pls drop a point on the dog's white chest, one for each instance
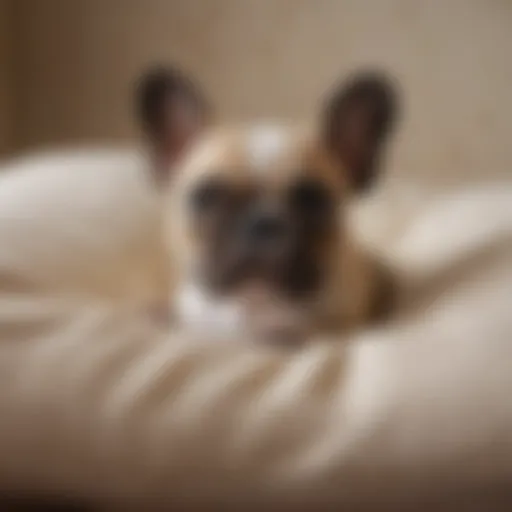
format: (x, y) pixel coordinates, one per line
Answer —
(198, 311)
(254, 313)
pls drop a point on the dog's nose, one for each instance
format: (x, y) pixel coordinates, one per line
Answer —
(265, 228)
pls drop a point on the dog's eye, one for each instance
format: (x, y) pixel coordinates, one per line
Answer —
(208, 196)
(310, 197)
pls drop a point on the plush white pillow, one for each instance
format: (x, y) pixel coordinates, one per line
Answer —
(98, 401)
(85, 220)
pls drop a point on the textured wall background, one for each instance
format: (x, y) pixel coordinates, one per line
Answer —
(261, 58)
(6, 76)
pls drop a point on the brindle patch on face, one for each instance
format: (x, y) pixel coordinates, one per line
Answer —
(261, 205)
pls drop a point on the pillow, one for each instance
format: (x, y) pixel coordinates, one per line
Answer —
(99, 402)
(84, 221)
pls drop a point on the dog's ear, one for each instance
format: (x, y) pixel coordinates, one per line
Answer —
(357, 120)
(171, 111)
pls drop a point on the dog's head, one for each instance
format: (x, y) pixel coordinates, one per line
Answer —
(261, 207)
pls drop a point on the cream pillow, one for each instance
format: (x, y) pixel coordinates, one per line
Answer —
(97, 401)
(85, 220)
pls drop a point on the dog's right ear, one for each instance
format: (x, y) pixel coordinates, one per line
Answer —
(171, 111)
(357, 120)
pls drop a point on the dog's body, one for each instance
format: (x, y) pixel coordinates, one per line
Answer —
(258, 216)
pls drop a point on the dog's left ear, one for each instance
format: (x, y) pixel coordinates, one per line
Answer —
(357, 120)
(171, 111)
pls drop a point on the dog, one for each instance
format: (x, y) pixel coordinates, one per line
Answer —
(257, 217)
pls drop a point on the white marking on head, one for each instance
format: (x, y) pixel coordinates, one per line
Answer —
(264, 144)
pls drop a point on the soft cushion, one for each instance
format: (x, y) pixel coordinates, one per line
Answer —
(83, 220)
(99, 401)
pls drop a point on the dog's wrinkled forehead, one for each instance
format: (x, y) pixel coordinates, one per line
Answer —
(262, 153)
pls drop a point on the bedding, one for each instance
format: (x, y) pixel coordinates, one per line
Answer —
(100, 402)
(90, 220)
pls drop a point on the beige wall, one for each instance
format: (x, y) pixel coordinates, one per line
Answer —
(270, 58)
(6, 77)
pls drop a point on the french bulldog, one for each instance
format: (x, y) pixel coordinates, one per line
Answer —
(257, 216)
